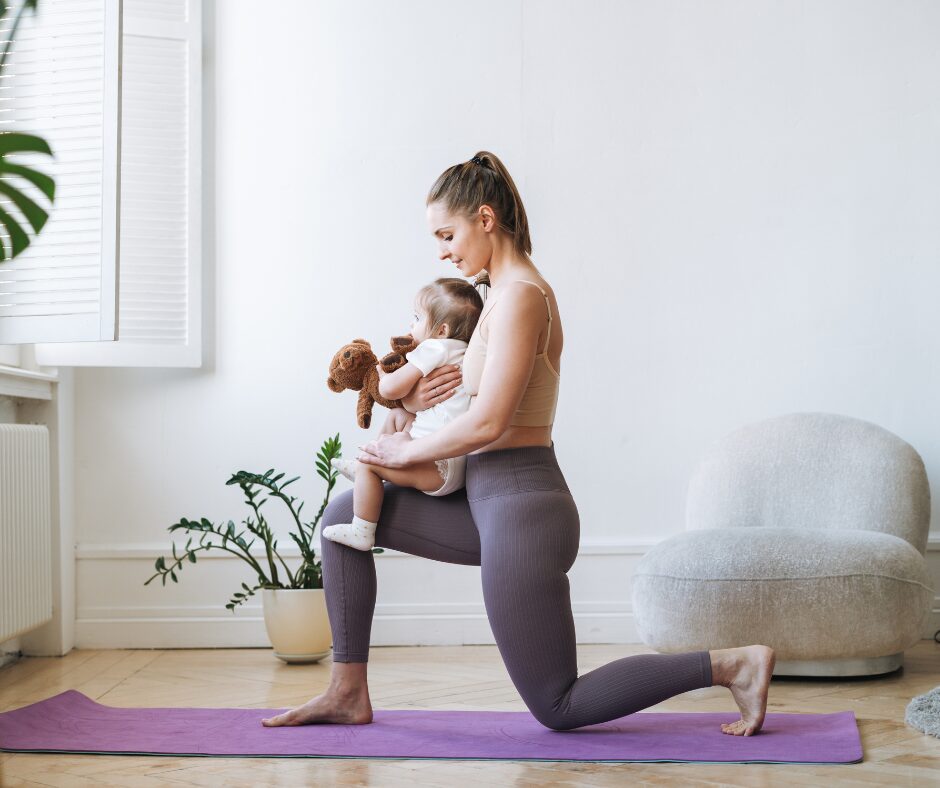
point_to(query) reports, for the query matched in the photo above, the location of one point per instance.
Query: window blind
(157, 294)
(56, 84)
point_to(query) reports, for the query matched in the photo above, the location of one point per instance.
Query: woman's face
(466, 243)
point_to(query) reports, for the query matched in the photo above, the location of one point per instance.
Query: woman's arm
(513, 332)
(435, 387)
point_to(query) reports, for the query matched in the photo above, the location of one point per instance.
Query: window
(114, 279)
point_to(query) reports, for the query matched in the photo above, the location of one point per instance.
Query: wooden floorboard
(453, 677)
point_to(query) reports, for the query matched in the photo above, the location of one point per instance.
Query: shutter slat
(155, 209)
(170, 10)
(55, 87)
(160, 279)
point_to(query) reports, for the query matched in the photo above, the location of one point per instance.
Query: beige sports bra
(537, 408)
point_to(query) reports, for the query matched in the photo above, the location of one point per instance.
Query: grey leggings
(517, 521)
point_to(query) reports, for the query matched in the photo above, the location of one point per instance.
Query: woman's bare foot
(333, 706)
(746, 672)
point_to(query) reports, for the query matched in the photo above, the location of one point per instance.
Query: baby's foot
(345, 467)
(360, 537)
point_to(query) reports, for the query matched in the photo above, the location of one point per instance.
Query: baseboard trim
(113, 552)
(10, 651)
(392, 625)
(197, 625)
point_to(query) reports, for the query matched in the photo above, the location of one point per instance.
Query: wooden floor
(469, 677)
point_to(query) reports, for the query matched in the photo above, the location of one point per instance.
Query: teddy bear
(353, 367)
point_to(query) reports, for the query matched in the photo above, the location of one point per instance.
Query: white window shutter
(159, 294)
(57, 84)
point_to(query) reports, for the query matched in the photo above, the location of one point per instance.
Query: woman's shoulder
(523, 295)
(528, 281)
(521, 311)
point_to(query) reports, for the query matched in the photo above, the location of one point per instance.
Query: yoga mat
(71, 722)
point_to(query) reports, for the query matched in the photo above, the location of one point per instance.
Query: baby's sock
(345, 467)
(359, 534)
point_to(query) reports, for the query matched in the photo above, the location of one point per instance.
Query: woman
(515, 518)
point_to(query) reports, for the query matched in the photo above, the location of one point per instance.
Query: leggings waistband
(514, 470)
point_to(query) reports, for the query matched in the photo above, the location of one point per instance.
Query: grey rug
(923, 712)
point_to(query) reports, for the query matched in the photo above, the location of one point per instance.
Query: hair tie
(476, 160)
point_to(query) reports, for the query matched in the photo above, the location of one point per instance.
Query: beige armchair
(805, 532)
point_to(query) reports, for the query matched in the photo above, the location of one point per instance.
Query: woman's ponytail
(484, 180)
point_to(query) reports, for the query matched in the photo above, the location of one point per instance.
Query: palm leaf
(12, 143)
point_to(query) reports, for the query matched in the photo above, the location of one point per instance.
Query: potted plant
(293, 600)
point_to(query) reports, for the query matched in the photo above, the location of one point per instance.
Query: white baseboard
(392, 625)
(448, 609)
(9, 651)
(115, 610)
(210, 628)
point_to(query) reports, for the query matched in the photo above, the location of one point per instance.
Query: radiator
(25, 529)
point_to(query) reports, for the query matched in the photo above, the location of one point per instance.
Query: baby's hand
(382, 372)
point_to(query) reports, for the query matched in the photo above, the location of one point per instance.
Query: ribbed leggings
(517, 521)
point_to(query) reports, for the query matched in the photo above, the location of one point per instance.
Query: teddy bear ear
(402, 341)
(361, 342)
(334, 386)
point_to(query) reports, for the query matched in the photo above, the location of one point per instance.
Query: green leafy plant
(11, 143)
(272, 570)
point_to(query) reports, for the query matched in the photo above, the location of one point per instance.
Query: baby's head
(447, 308)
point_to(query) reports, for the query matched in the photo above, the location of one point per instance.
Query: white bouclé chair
(804, 532)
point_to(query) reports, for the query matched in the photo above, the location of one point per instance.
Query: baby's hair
(452, 301)
(484, 180)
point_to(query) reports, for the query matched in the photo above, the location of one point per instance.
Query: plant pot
(297, 623)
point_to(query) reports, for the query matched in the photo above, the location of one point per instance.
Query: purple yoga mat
(72, 722)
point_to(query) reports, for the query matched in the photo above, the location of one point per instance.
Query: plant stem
(16, 24)
(290, 577)
(211, 545)
(266, 538)
(244, 553)
(290, 506)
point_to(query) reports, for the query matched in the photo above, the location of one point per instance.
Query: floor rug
(73, 723)
(923, 712)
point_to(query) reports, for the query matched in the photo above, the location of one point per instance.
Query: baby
(446, 312)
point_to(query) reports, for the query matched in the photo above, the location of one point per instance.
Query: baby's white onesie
(428, 356)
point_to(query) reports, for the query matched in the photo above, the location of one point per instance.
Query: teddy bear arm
(364, 409)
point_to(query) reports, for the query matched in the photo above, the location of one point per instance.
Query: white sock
(359, 534)
(345, 467)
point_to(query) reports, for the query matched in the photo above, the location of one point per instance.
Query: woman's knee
(552, 717)
(339, 510)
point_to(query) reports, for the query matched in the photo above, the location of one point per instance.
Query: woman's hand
(435, 387)
(389, 451)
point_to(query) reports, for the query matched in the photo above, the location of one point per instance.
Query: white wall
(735, 202)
